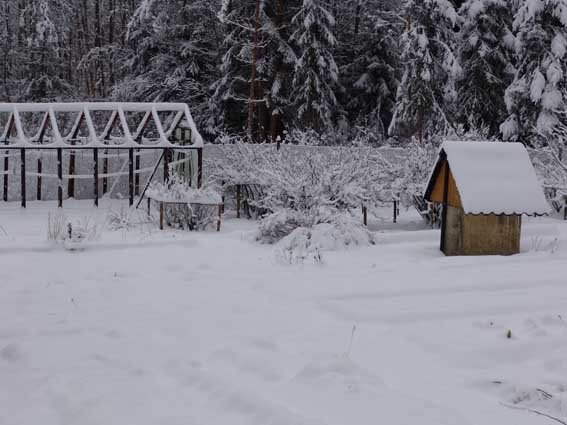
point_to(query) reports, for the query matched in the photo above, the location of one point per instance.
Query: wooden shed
(485, 188)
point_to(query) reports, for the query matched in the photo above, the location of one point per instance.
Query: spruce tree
(173, 54)
(536, 96)
(41, 31)
(486, 51)
(316, 79)
(426, 90)
(369, 64)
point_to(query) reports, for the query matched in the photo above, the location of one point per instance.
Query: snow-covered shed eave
(455, 154)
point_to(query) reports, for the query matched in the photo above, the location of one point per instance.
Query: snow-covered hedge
(321, 175)
(309, 188)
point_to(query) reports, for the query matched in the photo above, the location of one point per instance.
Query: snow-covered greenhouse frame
(74, 127)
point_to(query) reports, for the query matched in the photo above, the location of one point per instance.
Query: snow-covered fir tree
(41, 34)
(430, 68)
(368, 64)
(316, 79)
(486, 56)
(173, 57)
(231, 99)
(536, 96)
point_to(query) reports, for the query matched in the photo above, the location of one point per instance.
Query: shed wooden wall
(468, 234)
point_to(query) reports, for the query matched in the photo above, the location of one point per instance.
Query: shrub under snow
(307, 244)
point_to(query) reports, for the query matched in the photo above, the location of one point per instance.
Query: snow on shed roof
(495, 178)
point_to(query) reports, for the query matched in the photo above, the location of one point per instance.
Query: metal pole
(39, 170)
(237, 201)
(23, 176)
(71, 182)
(166, 160)
(199, 167)
(6, 169)
(136, 174)
(60, 176)
(131, 175)
(395, 211)
(95, 175)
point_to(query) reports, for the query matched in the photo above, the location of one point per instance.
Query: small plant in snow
(539, 244)
(72, 233)
(84, 229)
(56, 226)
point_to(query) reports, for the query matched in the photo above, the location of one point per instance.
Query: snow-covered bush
(305, 244)
(407, 176)
(280, 224)
(303, 186)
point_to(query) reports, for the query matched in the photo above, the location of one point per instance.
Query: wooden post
(131, 175)
(39, 171)
(365, 215)
(565, 208)
(237, 201)
(137, 174)
(199, 167)
(105, 172)
(60, 177)
(166, 160)
(23, 176)
(219, 220)
(161, 215)
(95, 175)
(149, 206)
(6, 169)
(71, 182)
(395, 211)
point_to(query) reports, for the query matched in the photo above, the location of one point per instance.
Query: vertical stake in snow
(237, 201)
(199, 167)
(395, 211)
(6, 168)
(60, 177)
(131, 175)
(23, 176)
(166, 160)
(95, 174)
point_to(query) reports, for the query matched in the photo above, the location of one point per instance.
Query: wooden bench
(431, 213)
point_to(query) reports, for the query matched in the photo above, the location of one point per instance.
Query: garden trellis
(54, 129)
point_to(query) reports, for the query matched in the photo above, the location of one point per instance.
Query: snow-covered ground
(170, 328)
